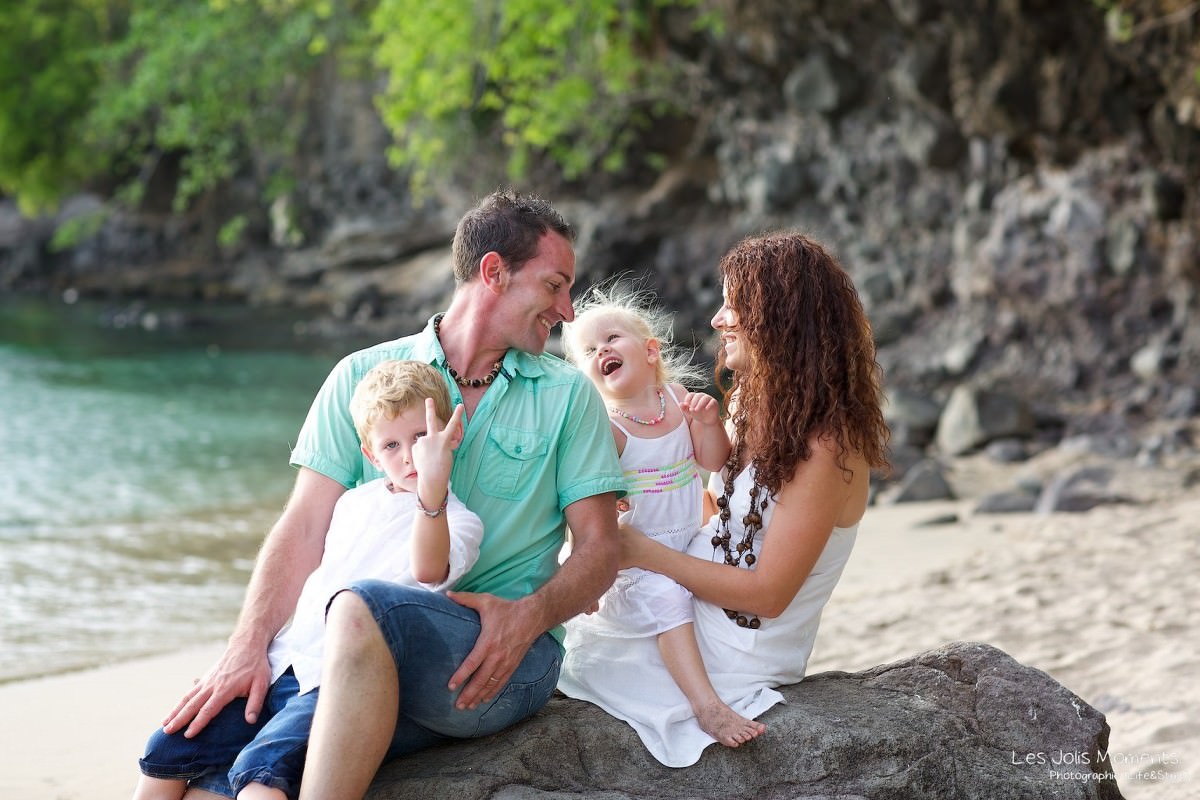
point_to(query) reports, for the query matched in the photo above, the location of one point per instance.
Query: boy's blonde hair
(392, 387)
(636, 311)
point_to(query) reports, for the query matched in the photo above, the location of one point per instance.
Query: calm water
(139, 471)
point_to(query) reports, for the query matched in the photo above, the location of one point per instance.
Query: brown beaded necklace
(472, 383)
(751, 524)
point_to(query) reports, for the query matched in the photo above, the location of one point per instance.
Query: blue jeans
(429, 636)
(230, 752)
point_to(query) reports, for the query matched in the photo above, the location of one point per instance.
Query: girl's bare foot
(726, 725)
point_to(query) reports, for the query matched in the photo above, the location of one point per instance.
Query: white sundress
(625, 675)
(664, 491)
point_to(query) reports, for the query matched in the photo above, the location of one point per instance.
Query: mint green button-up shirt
(538, 441)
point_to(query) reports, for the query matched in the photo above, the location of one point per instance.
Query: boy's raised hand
(701, 407)
(433, 453)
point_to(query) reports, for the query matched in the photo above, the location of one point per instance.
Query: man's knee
(350, 628)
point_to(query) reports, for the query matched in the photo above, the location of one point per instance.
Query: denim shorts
(230, 752)
(430, 636)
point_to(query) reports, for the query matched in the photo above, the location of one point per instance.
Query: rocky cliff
(1016, 193)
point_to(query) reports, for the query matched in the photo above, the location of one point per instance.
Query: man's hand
(236, 674)
(507, 629)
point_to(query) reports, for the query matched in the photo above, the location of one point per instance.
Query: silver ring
(493, 679)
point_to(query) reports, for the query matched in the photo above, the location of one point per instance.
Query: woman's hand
(636, 548)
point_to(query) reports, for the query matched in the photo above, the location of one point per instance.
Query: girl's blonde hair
(391, 388)
(636, 310)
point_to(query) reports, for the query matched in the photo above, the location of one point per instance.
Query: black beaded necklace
(470, 383)
(751, 524)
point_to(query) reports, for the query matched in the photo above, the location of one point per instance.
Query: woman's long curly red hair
(813, 370)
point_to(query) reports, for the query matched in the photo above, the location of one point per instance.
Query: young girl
(662, 433)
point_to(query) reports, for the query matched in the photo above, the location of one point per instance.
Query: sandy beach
(1102, 601)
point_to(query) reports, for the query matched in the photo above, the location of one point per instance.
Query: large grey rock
(1014, 501)
(1078, 490)
(974, 416)
(925, 481)
(962, 721)
(911, 415)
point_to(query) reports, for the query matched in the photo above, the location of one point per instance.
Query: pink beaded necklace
(662, 411)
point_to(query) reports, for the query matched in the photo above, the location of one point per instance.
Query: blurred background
(205, 203)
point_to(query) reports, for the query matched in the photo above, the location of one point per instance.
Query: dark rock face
(1013, 191)
(962, 721)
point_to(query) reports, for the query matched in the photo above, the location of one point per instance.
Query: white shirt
(369, 537)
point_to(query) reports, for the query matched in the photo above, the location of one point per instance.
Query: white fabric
(664, 491)
(626, 675)
(369, 537)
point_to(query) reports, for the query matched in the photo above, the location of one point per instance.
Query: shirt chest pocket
(512, 458)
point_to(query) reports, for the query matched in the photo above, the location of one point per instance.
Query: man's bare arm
(291, 551)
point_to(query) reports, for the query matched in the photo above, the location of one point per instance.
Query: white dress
(664, 490)
(626, 675)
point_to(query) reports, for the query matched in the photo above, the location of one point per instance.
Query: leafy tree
(105, 88)
(109, 90)
(215, 82)
(570, 80)
(1127, 19)
(47, 77)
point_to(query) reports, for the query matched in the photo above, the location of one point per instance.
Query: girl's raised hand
(700, 407)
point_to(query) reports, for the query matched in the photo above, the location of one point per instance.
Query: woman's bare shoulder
(837, 476)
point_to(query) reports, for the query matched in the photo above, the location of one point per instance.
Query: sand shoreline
(1097, 600)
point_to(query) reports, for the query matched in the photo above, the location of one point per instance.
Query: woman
(807, 429)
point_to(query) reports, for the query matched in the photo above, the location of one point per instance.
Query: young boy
(406, 527)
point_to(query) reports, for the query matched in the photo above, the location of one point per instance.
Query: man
(536, 455)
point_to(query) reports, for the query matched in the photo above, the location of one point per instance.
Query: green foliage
(232, 231)
(122, 93)
(564, 79)
(47, 75)
(103, 88)
(1118, 22)
(77, 230)
(208, 80)
(1126, 20)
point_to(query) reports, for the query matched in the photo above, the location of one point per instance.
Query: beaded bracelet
(435, 512)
